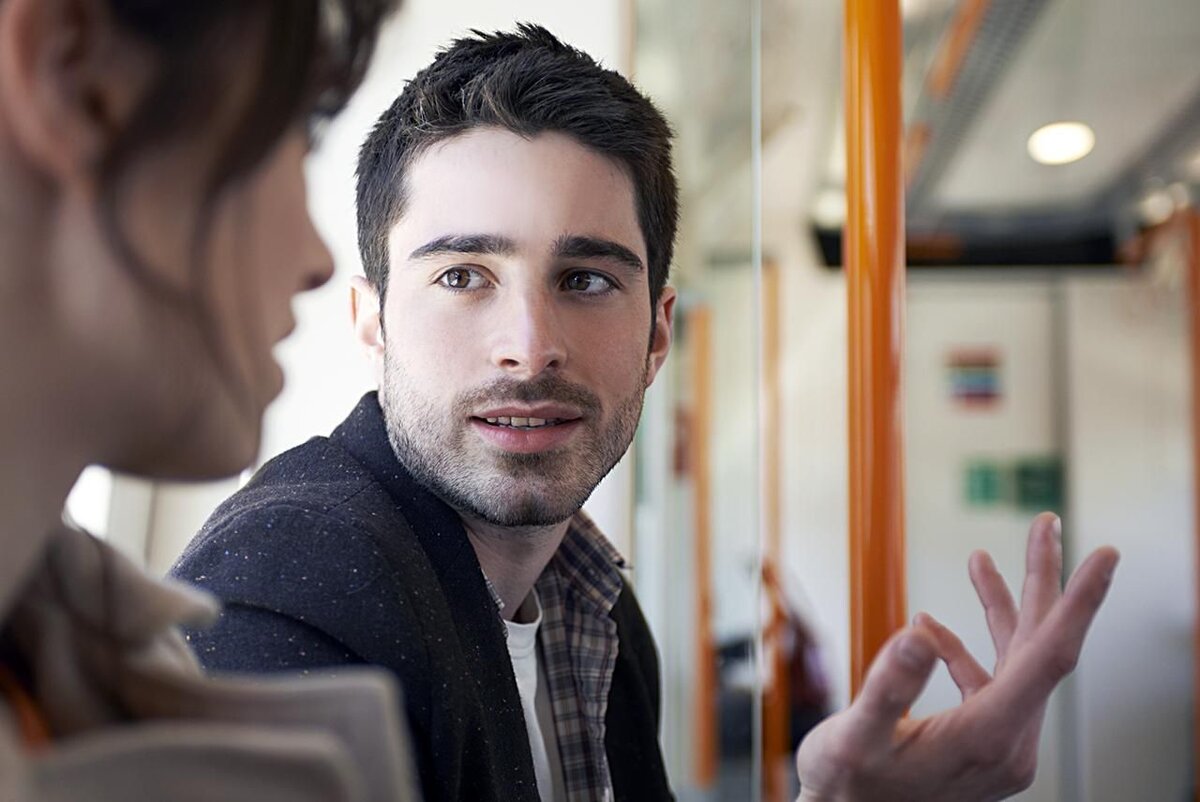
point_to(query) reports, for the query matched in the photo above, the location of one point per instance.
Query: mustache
(540, 389)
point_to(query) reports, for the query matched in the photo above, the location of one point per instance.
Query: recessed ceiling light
(829, 209)
(1061, 143)
(1156, 206)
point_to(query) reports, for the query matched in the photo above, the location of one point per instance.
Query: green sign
(1038, 482)
(1030, 484)
(984, 483)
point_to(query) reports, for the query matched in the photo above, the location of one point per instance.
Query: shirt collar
(590, 565)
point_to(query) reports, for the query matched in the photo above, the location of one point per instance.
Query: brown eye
(458, 278)
(579, 282)
(587, 283)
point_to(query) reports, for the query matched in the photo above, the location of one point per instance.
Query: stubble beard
(506, 489)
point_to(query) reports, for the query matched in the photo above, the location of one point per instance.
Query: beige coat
(134, 719)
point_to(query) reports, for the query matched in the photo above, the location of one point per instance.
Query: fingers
(894, 682)
(998, 604)
(966, 672)
(1051, 653)
(1043, 573)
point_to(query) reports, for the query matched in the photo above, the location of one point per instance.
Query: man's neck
(512, 558)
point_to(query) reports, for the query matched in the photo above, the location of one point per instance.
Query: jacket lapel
(480, 631)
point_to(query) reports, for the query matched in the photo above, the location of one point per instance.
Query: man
(517, 211)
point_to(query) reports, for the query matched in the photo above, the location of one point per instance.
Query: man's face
(518, 331)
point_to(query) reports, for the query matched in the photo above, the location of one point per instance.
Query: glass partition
(697, 558)
(1052, 156)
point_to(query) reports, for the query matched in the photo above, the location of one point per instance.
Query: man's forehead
(484, 141)
(532, 191)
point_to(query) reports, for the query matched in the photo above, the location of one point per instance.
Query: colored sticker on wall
(974, 376)
(1030, 484)
(1039, 483)
(984, 483)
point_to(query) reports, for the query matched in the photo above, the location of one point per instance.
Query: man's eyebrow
(476, 244)
(581, 247)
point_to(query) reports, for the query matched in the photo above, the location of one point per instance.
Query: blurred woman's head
(153, 223)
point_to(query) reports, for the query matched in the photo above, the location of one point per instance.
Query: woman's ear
(68, 80)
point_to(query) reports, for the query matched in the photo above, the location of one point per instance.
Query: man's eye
(588, 283)
(460, 278)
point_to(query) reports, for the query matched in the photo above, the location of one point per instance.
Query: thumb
(894, 682)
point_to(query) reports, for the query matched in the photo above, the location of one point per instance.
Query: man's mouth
(528, 429)
(524, 423)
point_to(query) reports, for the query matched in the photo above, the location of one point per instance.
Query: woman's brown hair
(310, 57)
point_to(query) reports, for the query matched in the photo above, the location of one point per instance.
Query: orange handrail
(952, 52)
(1191, 223)
(874, 248)
(776, 721)
(706, 749)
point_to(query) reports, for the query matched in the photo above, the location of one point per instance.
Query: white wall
(1125, 431)
(325, 372)
(734, 452)
(1015, 319)
(815, 469)
(1130, 474)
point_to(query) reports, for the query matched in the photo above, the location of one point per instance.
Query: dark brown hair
(311, 57)
(527, 82)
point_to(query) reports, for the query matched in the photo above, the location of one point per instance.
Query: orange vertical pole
(704, 701)
(874, 255)
(1192, 232)
(777, 694)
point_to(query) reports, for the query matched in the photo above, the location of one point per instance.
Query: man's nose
(529, 338)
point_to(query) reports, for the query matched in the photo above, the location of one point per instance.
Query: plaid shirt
(579, 645)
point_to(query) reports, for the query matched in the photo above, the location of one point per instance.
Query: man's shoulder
(314, 510)
(319, 475)
(313, 537)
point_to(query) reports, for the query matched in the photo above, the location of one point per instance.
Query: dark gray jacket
(333, 555)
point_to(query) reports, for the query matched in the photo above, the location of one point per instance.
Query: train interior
(1051, 153)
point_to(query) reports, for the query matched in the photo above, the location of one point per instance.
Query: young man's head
(517, 212)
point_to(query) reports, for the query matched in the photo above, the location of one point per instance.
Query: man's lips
(545, 412)
(527, 429)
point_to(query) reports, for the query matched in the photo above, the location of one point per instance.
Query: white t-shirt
(535, 700)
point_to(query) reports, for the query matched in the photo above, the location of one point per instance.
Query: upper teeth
(522, 422)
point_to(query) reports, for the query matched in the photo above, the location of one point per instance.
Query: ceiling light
(1156, 207)
(1061, 143)
(829, 210)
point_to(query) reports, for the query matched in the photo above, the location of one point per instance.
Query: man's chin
(515, 504)
(533, 514)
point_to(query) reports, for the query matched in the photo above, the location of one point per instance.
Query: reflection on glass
(1037, 375)
(697, 546)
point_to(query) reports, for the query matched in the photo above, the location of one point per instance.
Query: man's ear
(367, 316)
(68, 80)
(660, 339)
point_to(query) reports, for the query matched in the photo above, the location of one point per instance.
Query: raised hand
(986, 748)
